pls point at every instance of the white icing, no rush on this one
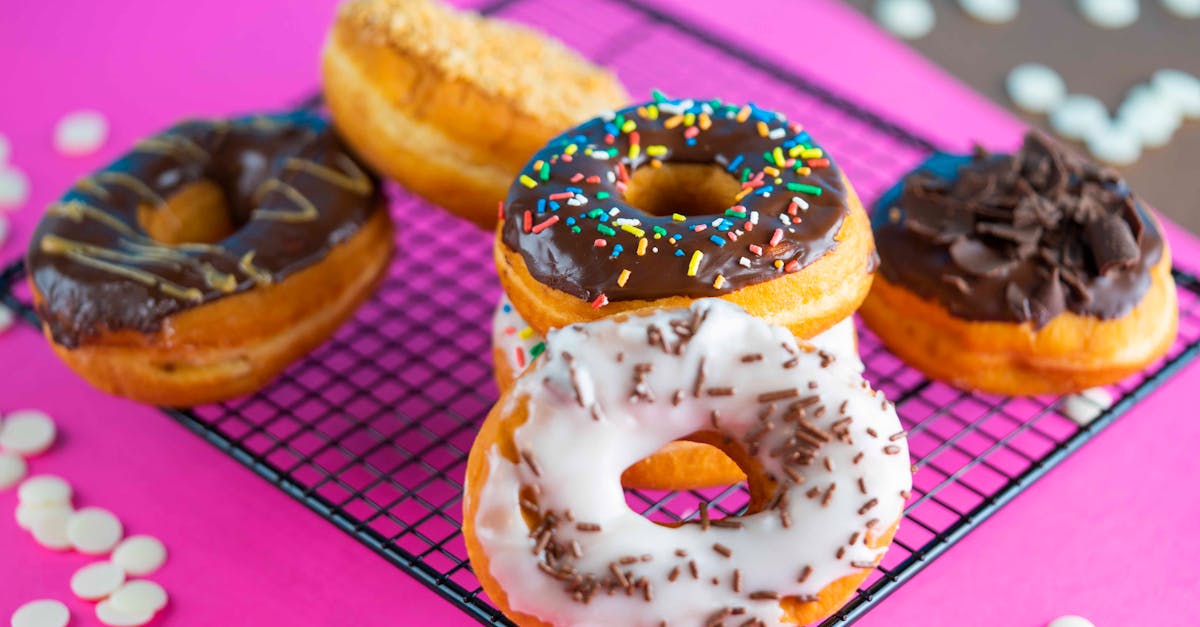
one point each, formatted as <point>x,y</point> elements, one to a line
<point>518,342</point>
<point>580,452</point>
<point>513,337</point>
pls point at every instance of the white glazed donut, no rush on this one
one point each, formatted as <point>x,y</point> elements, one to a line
<point>515,344</point>
<point>546,522</point>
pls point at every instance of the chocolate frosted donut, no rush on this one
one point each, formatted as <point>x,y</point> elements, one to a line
<point>1040,240</point>
<point>682,199</point>
<point>1019,237</point>
<point>205,212</point>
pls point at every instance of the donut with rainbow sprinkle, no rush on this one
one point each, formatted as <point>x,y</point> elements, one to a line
<point>668,201</point>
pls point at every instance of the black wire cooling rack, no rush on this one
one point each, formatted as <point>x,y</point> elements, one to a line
<point>372,430</point>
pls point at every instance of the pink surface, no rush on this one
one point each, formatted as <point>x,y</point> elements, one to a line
<point>1092,538</point>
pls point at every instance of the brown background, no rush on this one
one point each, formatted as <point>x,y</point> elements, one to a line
<point>1103,63</point>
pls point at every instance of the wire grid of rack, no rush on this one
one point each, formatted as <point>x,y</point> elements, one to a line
<point>372,430</point>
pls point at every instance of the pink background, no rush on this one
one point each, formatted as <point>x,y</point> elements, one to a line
<point>1106,535</point>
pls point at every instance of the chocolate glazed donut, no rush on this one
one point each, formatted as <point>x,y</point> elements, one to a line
<point>747,199</point>
<point>195,267</point>
<point>1029,273</point>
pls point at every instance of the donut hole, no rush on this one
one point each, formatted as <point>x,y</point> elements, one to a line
<point>199,213</point>
<point>697,458</point>
<point>689,189</point>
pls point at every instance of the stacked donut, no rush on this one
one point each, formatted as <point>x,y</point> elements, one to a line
<point>680,278</point>
<point>659,204</point>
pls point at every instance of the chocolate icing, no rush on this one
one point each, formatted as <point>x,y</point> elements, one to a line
<point>568,212</point>
<point>1018,238</point>
<point>286,179</point>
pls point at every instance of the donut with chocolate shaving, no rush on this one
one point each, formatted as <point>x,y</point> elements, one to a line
<point>546,523</point>
<point>1037,272</point>
<point>661,203</point>
<point>199,265</point>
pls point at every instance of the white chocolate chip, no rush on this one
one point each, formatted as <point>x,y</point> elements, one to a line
<point>40,490</point>
<point>80,133</point>
<point>1116,144</point>
<point>1109,13</point>
<point>14,187</point>
<point>1078,116</point>
<point>1086,406</point>
<point>6,315</point>
<point>1180,88</point>
<point>991,11</point>
<point>1035,87</point>
<point>910,19</point>
<point>1070,621</point>
<point>1150,114</point>
<point>41,613</point>
<point>139,597</point>
<point>28,515</point>
<point>96,581</point>
<point>50,530</point>
<point>27,432</point>
<point>108,614</point>
<point>140,555</point>
<point>12,469</point>
<point>1187,9</point>
<point>94,531</point>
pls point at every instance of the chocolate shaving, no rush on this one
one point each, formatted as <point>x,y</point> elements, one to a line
<point>1020,238</point>
<point>1112,243</point>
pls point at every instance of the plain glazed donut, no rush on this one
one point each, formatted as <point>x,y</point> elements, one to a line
<point>673,200</point>
<point>546,524</point>
<point>682,465</point>
<point>450,103</point>
<point>198,266</point>
<point>1033,273</point>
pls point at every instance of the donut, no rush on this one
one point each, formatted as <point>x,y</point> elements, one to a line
<point>196,267</point>
<point>1031,273</point>
<point>665,202</point>
<point>682,465</point>
<point>515,344</point>
<point>450,103</point>
<point>546,524</point>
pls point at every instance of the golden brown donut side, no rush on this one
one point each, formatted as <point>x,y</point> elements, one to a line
<point>807,302</point>
<point>445,132</point>
<point>1070,354</point>
<point>238,344</point>
<point>497,431</point>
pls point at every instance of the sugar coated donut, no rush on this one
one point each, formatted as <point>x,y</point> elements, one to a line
<point>673,200</point>
<point>546,524</point>
<point>1021,274</point>
<point>197,266</point>
<point>450,103</point>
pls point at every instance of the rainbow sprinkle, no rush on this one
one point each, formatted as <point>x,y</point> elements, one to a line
<point>621,142</point>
